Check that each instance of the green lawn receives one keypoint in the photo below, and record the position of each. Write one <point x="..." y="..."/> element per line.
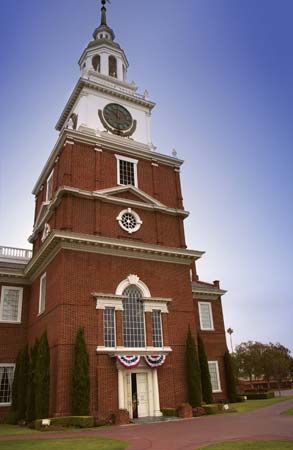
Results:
<point x="65" y="444"/>
<point x="14" y="429"/>
<point x="252" y="445"/>
<point x="250" y="405"/>
<point x="289" y="412"/>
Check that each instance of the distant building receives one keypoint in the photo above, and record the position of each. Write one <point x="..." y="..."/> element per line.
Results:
<point x="109" y="254"/>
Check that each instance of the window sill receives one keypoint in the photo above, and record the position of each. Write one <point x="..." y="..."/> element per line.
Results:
<point x="217" y="392"/>
<point x="207" y="329"/>
<point x="11" y="322"/>
<point x="5" y="405"/>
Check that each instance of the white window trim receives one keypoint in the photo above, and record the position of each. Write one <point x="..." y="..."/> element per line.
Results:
<point x="135" y="215"/>
<point x="40" y="294"/>
<point x="211" y="316"/>
<point x="3" y="405"/>
<point x="115" y="331"/>
<point x="19" y="312"/>
<point x="125" y="158"/>
<point x="215" y="391"/>
<point x="50" y="177"/>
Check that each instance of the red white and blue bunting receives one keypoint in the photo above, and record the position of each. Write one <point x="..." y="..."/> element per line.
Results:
<point x="129" y="361"/>
<point x="155" y="361"/>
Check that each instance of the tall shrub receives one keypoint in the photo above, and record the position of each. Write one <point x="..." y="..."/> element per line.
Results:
<point x="206" y="385"/>
<point x="193" y="372"/>
<point x="20" y="382"/>
<point x="31" y="400"/>
<point x="42" y="378"/>
<point x="80" y="391"/>
<point x="230" y="378"/>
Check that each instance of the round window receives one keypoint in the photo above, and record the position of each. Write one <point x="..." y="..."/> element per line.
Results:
<point x="129" y="221"/>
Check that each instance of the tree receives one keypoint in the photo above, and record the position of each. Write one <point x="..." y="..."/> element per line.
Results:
<point x="80" y="377"/>
<point x="31" y="400"/>
<point x="249" y="359"/>
<point x="276" y="363"/>
<point x="206" y="385"/>
<point x="230" y="378"/>
<point x="193" y="372"/>
<point x="20" y="382"/>
<point x="42" y="378"/>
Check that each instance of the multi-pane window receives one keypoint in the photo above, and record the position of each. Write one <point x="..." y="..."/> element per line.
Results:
<point x="49" y="190"/>
<point x="133" y="318"/>
<point x="205" y="316"/>
<point x="126" y="171"/>
<point x="6" y="380"/>
<point x="42" y="298"/>
<point x="109" y="327"/>
<point x="215" y="376"/>
<point x="157" y="328"/>
<point x="11" y="304"/>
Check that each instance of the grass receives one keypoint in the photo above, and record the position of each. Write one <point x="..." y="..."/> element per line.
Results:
<point x="65" y="444"/>
<point x="252" y="445"/>
<point x="251" y="405"/>
<point x="289" y="412"/>
<point x="8" y="430"/>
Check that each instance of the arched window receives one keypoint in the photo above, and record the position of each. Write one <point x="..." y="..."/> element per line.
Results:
<point x="133" y="317"/>
<point x="96" y="62"/>
<point x="112" y="66"/>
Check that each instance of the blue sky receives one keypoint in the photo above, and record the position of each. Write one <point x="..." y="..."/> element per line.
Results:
<point x="221" y="73"/>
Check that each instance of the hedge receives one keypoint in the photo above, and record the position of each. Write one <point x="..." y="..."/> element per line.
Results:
<point x="259" y="395"/>
<point x="213" y="409"/>
<point x="169" y="412"/>
<point x="69" y="421"/>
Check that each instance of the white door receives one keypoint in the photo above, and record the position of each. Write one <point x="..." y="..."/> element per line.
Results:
<point x="142" y="394"/>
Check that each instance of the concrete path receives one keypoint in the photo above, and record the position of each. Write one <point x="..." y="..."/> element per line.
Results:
<point x="190" y="434"/>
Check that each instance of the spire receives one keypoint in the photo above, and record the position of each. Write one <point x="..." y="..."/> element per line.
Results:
<point x="98" y="33"/>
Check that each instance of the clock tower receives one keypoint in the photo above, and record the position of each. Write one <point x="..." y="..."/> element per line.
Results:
<point x="109" y="251"/>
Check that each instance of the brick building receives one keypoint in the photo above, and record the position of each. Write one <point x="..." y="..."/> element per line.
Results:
<point x="109" y="254"/>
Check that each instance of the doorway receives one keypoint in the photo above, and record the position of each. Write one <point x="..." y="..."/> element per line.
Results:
<point x="139" y="395"/>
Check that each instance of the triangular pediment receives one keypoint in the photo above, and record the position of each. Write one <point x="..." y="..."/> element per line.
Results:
<point x="131" y="193"/>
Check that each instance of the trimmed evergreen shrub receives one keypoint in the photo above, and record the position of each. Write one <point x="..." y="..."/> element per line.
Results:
<point x="213" y="409"/>
<point x="168" y="412"/>
<point x="19" y="387"/>
<point x="193" y="372"/>
<point x="206" y="385"/>
<point x="80" y="377"/>
<point x="259" y="395"/>
<point x="42" y="378"/>
<point x="230" y="378"/>
<point x="31" y="400"/>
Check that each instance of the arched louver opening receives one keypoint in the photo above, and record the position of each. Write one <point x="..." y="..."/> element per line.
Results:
<point x="133" y="318"/>
<point x="112" y="66"/>
<point x="96" y="62"/>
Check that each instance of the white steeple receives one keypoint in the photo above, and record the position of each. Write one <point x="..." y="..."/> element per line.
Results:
<point x="103" y="55"/>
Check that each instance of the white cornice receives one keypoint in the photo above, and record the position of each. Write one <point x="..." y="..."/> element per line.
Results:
<point x="107" y="142"/>
<point x="207" y="293"/>
<point x="58" y="240"/>
<point x="103" y="197"/>
<point x="99" y="86"/>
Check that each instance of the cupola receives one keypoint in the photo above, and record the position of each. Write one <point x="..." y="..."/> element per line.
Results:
<point x="103" y="55"/>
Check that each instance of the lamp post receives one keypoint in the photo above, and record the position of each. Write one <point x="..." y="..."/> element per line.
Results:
<point x="230" y="332"/>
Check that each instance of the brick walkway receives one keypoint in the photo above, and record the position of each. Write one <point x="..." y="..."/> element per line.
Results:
<point x="190" y="434"/>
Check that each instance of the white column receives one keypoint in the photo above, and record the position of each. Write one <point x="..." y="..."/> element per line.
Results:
<point x="119" y="70"/>
<point x="121" y="404"/>
<point x="104" y="64"/>
<point x="157" y="410"/>
<point x="150" y="392"/>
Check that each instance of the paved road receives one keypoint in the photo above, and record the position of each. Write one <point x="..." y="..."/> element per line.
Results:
<point x="191" y="434"/>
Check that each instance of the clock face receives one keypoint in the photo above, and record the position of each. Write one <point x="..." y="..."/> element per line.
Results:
<point x="117" y="117"/>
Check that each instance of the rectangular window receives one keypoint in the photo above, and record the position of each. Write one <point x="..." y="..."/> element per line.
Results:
<point x="206" y="316"/>
<point x="11" y="304"/>
<point x="215" y="376"/>
<point x="6" y="380"/>
<point x="109" y="327"/>
<point x="126" y="171"/>
<point x="157" y="328"/>
<point x="42" y="297"/>
<point x="49" y="190"/>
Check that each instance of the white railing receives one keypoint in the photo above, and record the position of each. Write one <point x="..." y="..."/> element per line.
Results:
<point x="15" y="253"/>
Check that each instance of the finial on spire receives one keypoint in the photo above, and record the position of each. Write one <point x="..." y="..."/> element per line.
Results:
<point x="104" y="12"/>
